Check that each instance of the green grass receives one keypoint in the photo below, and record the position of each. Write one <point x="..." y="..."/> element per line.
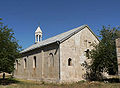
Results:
<point x="15" y="83"/>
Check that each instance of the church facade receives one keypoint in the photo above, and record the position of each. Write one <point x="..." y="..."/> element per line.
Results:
<point x="57" y="59"/>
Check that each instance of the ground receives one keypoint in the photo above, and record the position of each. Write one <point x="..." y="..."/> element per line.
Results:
<point x="17" y="83"/>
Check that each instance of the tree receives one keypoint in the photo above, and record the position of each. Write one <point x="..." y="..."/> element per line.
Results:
<point x="104" y="58"/>
<point x="9" y="49"/>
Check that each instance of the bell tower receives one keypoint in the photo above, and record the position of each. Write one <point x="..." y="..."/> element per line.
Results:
<point x="38" y="35"/>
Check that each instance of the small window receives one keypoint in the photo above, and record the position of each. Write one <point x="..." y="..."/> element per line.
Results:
<point x="34" y="62"/>
<point x="89" y="42"/>
<point x="25" y="63"/>
<point x="36" y="37"/>
<point x="39" y="37"/>
<point x="69" y="62"/>
<point x="16" y="64"/>
<point x="51" y="61"/>
<point x="87" y="53"/>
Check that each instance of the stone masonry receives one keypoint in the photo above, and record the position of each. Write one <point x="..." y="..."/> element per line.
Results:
<point x="118" y="53"/>
<point x="57" y="61"/>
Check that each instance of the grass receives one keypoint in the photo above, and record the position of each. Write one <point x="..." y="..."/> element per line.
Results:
<point x="17" y="83"/>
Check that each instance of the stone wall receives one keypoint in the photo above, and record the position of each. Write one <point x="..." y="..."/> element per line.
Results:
<point x="47" y="61"/>
<point x="118" y="53"/>
<point x="52" y="59"/>
<point x="75" y="48"/>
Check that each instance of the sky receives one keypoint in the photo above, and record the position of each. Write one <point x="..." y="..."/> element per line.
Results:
<point x="56" y="16"/>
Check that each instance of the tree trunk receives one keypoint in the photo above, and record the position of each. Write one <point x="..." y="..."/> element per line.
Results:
<point x="3" y="75"/>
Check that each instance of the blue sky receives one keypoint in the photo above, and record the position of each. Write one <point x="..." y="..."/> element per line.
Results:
<point x="56" y="16"/>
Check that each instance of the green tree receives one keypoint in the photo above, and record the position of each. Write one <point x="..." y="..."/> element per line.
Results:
<point x="103" y="55"/>
<point x="9" y="49"/>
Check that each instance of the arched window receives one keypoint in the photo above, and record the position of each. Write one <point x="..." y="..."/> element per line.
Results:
<point x="34" y="62"/>
<point x="37" y="38"/>
<point x="69" y="62"/>
<point x="25" y="63"/>
<point x="51" y="59"/>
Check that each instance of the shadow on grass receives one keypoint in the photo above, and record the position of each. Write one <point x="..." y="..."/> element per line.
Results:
<point x="8" y="81"/>
<point x="112" y="80"/>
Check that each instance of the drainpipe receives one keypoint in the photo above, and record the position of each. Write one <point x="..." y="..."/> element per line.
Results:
<point x="58" y="42"/>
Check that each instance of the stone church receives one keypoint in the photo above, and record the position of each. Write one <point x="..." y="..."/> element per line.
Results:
<point x="57" y="59"/>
